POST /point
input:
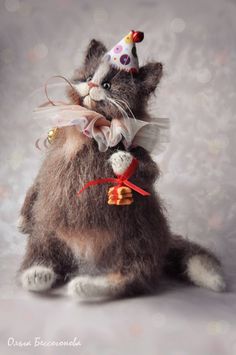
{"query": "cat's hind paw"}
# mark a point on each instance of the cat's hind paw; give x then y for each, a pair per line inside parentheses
(38, 278)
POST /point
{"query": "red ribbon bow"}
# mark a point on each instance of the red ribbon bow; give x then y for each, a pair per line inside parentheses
(120, 180)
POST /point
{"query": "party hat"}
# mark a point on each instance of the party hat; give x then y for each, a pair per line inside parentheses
(123, 55)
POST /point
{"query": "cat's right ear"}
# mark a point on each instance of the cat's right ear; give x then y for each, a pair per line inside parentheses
(149, 76)
(95, 50)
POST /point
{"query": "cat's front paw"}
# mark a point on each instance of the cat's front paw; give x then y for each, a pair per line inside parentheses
(38, 278)
(120, 161)
(90, 287)
(104, 286)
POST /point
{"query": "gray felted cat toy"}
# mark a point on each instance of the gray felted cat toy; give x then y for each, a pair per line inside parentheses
(92, 216)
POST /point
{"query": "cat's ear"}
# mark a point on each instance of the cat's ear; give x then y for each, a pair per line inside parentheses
(95, 50)
(149, 76)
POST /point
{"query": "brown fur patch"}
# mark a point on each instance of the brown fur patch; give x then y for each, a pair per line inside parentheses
(71, 140)
(116, 278)
(88, 245)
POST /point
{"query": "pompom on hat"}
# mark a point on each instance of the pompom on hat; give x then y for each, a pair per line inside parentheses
(123, 55)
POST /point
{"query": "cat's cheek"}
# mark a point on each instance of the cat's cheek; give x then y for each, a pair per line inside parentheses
(82, 89)
(87, 102)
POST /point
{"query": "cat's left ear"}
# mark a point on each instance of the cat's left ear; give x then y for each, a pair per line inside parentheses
(95, 50)
(149, 76)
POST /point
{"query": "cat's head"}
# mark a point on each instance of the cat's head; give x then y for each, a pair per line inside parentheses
(110, 91)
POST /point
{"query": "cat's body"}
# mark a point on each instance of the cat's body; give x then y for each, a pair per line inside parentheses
(106, 250)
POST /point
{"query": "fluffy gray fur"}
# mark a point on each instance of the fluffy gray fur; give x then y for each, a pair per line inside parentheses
(105, 250)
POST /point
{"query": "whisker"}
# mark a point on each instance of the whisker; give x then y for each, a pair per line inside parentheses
(118, 106)
(127, 105)
(112, 103)
(121, 108)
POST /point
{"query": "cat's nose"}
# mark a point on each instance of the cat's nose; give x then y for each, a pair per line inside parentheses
(92, 85)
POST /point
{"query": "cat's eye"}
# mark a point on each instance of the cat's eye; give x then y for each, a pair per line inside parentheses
(89, 78)
(106, 86)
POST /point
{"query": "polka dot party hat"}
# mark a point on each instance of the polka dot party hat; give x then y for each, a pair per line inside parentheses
(123, 55)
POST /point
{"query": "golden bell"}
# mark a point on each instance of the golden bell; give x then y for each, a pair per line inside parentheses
(52, 134)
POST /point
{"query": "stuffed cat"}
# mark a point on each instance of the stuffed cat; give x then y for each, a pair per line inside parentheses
(102, 249)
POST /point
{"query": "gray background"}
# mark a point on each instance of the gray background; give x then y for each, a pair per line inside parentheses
(196, 42)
